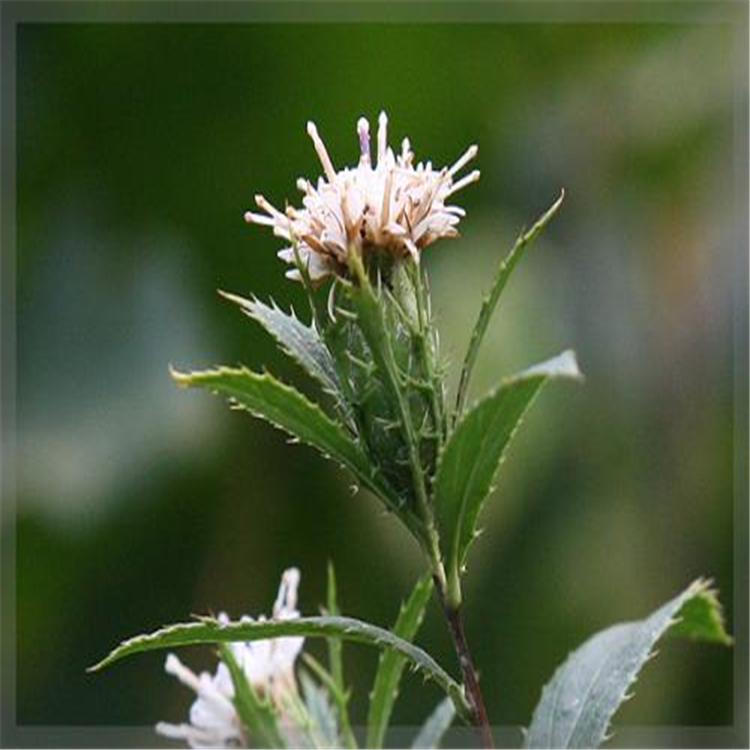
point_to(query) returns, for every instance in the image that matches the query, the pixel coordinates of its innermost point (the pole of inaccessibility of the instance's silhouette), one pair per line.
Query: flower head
(385, 203)
(268, 666)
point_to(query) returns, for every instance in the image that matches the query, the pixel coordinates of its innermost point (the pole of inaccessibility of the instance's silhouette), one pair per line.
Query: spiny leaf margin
(300, 341)
(391, 664)
(255, 712)
(208, 630)
(578, 703)
(472, 455)
(266, 397)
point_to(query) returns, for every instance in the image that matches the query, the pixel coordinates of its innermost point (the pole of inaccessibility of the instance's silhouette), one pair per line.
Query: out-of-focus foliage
(138, 149)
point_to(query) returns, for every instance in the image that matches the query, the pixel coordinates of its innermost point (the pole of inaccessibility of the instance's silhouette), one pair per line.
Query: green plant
(431, 459)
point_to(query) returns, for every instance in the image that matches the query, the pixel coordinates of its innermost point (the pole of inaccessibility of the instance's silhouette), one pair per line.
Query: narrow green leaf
(336, 662)
(299, 341)
(208, 631)
(256, 713)
(298, 724)
(340, 698)
(324, 725)
(490, 301)
(267, 398)
(334, 644)
(436, 725)
(585, 692)
(473, 453)
(391, 665)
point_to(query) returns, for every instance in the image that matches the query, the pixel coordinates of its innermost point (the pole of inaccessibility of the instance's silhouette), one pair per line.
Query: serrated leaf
(490, 301)
(254, 712)
(286, 408)
(473, 452)
(391, 665)
(585, 692)
(299, 341)
(435, 727)
(701, 617)
(208, 630)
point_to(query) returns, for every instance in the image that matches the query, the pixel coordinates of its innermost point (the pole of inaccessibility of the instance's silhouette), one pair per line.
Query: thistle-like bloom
(268, 666)
(384, 203)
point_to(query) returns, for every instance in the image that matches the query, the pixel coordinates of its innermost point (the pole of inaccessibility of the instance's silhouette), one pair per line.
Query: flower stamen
(468, 155)
(464, 181)
(382, 136)
(363, 131)
(396, 206)
(321, 150)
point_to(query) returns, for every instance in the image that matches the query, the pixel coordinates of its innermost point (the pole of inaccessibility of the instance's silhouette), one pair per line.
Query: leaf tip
(231, 297)
(247, 306)
(564, 365)
(542, 222)
(181, 378)
(100, 665)
(568, 364)
(706, 625)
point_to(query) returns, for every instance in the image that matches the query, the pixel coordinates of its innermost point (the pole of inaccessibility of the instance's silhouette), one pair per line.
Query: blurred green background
(139, 147)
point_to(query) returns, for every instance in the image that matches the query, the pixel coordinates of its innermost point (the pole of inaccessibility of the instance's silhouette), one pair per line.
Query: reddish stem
(468, 672)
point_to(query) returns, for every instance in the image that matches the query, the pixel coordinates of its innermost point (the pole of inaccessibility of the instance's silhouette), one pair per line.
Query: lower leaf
(391, 664)
(437, 724)
(208, 630)
(579, 702)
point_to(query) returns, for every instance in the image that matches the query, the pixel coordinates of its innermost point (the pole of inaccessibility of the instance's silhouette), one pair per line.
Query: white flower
(390, 205)
(267, 664)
